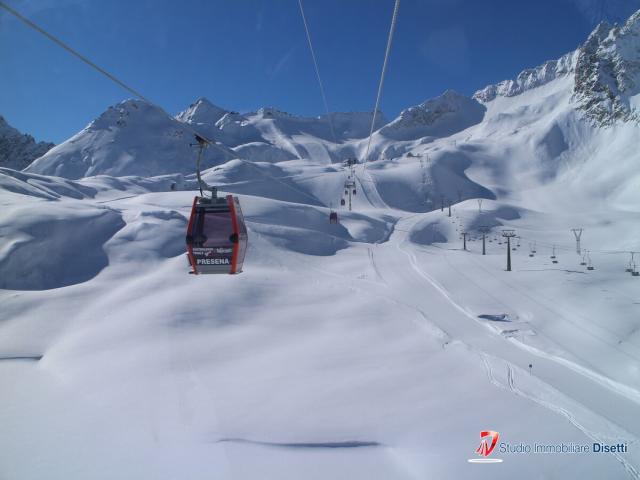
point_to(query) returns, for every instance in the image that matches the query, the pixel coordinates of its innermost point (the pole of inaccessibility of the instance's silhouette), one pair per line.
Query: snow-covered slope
(375, 348)
(18, 150)
(439, 117)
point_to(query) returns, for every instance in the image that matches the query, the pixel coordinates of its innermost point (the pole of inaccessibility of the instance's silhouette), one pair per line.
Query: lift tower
(508, 234)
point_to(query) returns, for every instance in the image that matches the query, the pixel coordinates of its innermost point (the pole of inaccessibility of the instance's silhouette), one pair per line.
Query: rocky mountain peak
(607, 73)
(18, 150)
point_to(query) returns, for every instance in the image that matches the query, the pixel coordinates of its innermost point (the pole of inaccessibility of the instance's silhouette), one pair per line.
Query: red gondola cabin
(216, 235)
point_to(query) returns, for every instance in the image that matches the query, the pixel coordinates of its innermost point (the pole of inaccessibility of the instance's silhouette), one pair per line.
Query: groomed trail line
(537, 306)
(615, 435)
(412, 286)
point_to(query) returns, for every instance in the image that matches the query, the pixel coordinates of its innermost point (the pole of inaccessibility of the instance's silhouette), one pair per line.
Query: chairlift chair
(333, 217)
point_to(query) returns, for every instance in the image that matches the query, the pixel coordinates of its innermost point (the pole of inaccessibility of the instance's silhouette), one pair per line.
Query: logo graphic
(488, 441)
(485, 449)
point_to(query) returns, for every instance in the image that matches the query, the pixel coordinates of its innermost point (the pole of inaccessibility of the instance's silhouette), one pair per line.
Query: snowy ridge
(202, 112)
(608, 73)
(605, 70)
(18, 150)
(530, 78)
(131, 138)
(439, 117)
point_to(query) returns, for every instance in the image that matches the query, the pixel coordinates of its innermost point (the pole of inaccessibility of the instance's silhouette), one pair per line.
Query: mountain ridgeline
(601, 77)
(18, 150)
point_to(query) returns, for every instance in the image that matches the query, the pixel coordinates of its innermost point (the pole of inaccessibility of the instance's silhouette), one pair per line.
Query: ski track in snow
(607, 383)
(619, 388)
(617, 434)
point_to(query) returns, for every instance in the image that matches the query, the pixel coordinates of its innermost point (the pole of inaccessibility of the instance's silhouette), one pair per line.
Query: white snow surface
(375, 348)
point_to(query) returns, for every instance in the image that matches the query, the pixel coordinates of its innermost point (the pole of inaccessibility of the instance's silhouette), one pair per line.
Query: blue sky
(244, 54)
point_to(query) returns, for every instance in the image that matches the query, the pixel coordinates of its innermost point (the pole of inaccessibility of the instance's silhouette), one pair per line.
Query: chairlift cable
(384, 69)
(317, 69)
(73, 51)
(136, 93)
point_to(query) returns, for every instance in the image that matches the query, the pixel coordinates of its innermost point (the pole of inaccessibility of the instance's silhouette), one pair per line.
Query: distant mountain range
(135, 138)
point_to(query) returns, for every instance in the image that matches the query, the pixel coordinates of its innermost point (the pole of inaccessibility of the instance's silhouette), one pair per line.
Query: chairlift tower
(577, 232)
(589, 263)
(632, 266)
(350, 188)
(425, 177)
(629, 268)
(484, 230)
(508, 234)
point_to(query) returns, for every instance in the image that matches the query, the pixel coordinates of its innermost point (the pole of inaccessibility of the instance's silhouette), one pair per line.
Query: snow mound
(428, 232)
(148, 236)
(50, 245)
(42, 186)
(306, 229)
